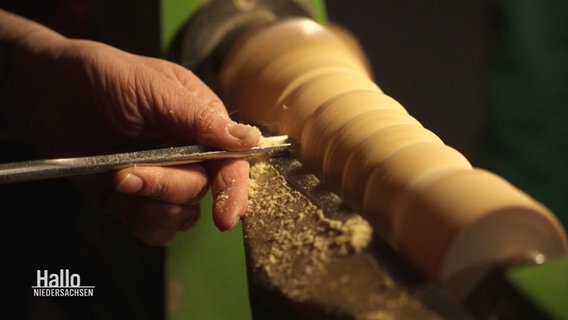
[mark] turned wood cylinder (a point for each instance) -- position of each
(306, 80)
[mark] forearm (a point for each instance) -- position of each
(19, 33)
(21, 42)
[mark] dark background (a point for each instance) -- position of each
(428, 55)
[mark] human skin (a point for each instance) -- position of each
(69, 97)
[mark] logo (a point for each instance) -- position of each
(62, 284)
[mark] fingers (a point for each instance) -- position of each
(158, 202)
(194, 111)
(230, 192)
(153, 222)
(216, 129)
(178, 184)
(155, 100)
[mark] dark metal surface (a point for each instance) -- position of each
(305, 259)
(207, 36)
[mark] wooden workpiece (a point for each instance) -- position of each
(299, 78)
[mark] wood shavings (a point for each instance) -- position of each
(307, 256)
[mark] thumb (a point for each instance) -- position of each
(194, 112)
(213, 127)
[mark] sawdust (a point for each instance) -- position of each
(308, 256)
(302, 239)
(271, 140)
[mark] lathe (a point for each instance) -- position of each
(374, 216)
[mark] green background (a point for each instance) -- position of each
(210, 267)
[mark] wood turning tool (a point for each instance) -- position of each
(67, 167)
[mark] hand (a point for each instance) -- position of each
(84, 98)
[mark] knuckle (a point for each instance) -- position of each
(171, 212)
(155, 237)
(209, 117)
(157, 184)
(178, 185)
(160, 240)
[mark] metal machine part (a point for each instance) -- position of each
(310, 257)
(212, 30)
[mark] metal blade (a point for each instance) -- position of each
(65, 167)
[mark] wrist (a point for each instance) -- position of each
(21, 42)
(18, 36)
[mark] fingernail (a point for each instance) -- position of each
(130, 184)
(241, 131)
